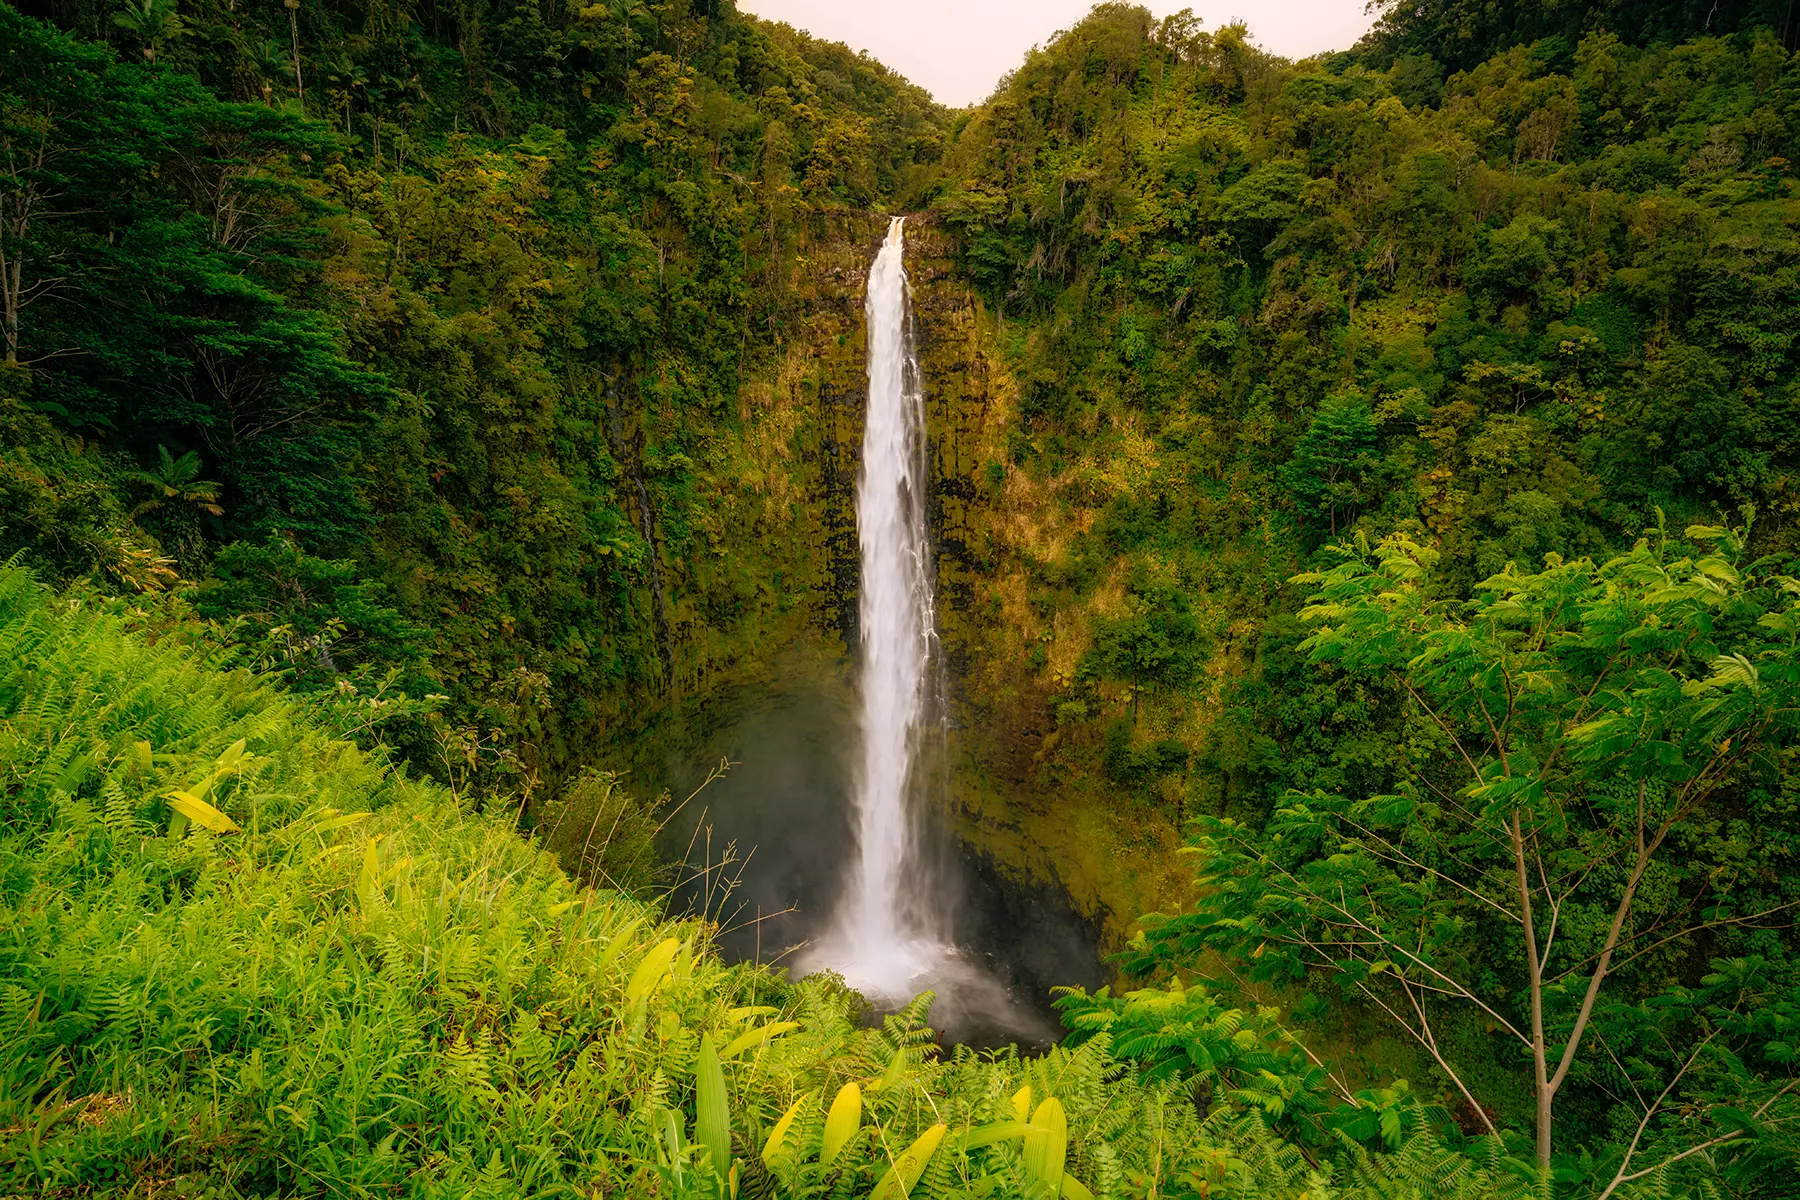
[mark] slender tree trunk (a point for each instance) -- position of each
(9, 282)
(1534, 965)
(293, 8)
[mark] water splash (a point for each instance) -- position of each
(890, 937)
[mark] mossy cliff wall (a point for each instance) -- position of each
(772, 605)
(1035, 811)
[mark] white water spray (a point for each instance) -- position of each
(889, 937)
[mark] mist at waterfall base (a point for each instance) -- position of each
(891, 932)
(785, 812)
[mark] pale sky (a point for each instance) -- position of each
(959, 49)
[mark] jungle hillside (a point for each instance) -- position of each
(1365, 508)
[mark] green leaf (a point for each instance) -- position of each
(712, 1116)
(368, 880)
(898, 1183)
(999, 1131)
(652, 970)
(1074, 1189)
(841, 1122)
(1735, 1120)
(1047, 1146)
(201, 813)
(756, 1037)
(778, 1135)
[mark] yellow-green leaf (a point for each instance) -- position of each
(999, 1131)
(614, 948)
(756, 1037)
(201, 813)
(712, 1115)
(898, 1183)
(841, 1122)
(1021, 1102)
(230, 758)
(368, 882)
(1047, 1146)
(1074, 1189)
(338, 821)
(651, 972)
(778, 1135)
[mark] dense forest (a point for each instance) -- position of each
(1383, 474)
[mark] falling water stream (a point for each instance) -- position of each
(890, 934)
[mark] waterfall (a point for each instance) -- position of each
(886, 908)
(890, 937)
(887, 933)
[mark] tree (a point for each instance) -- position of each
(318, 619)
(47, 81)
(1584, 810)
(152, 22)
(1326, 475)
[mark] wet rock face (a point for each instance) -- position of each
(783, 491)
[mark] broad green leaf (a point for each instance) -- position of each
(201, 813)
(652, 970)
(712, 1116)
(1074, 1189)
(900, 1179)
(233, 754)
(841, 1122)
(778, 1135)
(756, 1037)
(369, 880)
(1047, 1146)
(999, 1131)
(672, 1141)
(620, 941)
(1021, 1103)
(339, 821)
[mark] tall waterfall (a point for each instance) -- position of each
(887, 906)
(887, 937)
(890, 937)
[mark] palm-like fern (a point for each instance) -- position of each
(176, 480)
(152, 22)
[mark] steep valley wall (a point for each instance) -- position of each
(772, 602)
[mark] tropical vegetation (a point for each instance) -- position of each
(1380, 467)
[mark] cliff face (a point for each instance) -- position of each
(1014, 793)
(771, 609)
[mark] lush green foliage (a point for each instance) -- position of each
(1461, 33)
(1595, 793)
(422, 350)
(1503, 317)
(243, 957)
(454, 308)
